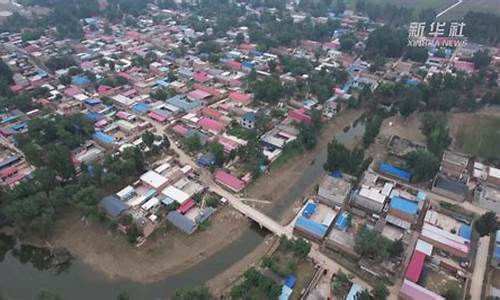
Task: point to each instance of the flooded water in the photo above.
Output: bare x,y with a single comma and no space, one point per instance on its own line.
22,279
357,130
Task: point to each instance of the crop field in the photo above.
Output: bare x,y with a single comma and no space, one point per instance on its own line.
480,136
439,5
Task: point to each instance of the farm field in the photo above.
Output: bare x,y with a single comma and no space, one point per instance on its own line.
478,135
438,5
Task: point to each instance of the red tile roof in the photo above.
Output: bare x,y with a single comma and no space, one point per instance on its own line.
181,130
157,117
233,64
211,125
198,95
300,115
415,267
186,206
229,180
212,91
240,97
211,113
201,76
8,172
413,291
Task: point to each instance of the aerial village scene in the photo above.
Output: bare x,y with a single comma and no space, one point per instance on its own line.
261,149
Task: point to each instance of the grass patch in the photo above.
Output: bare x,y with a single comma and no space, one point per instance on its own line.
290,151
480,137
243,133
439,5
305,272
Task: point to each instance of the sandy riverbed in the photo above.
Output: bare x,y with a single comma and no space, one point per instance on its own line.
159,258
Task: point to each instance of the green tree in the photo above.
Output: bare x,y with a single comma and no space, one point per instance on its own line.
481,59
218,151
435,128
341,284
301,248
192,143
240,38
369,243
148,138
486,224
133,233
380,292
372,128
347,42
340,158
396,248
423,163
451,294
418,54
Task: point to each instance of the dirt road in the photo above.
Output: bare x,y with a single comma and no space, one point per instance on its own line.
480,267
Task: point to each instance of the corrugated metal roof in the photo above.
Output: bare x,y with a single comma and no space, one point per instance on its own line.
312,227
404,205
414,291
395,171
415,267
183,223
445,237
113,205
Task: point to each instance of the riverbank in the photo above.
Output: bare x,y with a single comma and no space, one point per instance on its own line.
172,252
162,256
286,185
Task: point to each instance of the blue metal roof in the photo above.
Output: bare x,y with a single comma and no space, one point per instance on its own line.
140,107
93,101
249,116
113,205
20,126
104,138
9,161
497,253
180,221
404,205
183,103
290,281
9,119
395,171
342,222
93,116
311,227
309,210
465,231
206,160
336,174
80,80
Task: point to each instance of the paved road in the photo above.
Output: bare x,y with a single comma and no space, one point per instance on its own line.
480,267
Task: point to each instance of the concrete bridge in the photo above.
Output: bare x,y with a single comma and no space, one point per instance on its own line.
252,213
